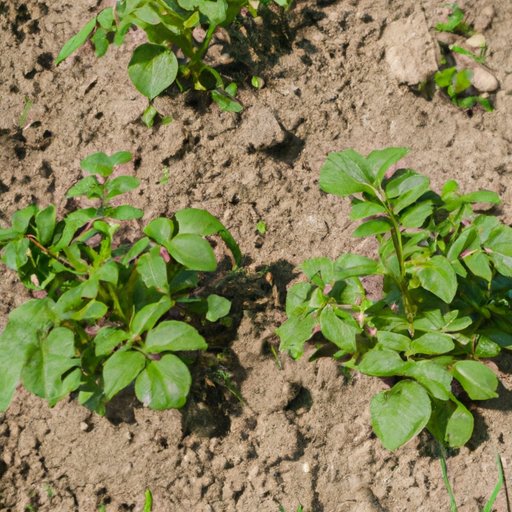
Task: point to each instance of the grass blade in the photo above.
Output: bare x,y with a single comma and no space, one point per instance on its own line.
444,471
497,489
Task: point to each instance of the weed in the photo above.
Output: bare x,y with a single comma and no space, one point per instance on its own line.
179,36
445,300
456,23
453,502
454,81
110,313
261,227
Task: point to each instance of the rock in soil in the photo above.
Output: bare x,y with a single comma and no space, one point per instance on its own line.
410,50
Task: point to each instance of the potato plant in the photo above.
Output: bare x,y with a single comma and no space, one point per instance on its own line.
179,34
109,312
444,305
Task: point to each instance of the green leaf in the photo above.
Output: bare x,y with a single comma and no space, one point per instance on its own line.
478,263
373,227
443,78
120,370
482,196
174,336
152,69
193,251
438,277
76,41
47,362
164,384
100,42
149,116
345,173
107,339
382,159
296,296
409,190
21,219
381,363
88,187
432,376
462,80
108,272
121,157
225,101
15,253
362,209
195,221
93,310
160,230
215,11
319,270
342,334
120,185
148,316
499,247
153,270
295,332
479,382
45,224
97,163
354,265
218,307
106,18
432,343
393,341
451,423
400,413
415,216
124,212
135,250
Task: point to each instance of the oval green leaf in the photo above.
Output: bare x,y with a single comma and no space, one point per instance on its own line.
152,69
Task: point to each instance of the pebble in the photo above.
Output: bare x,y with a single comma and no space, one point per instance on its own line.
484,80
476,41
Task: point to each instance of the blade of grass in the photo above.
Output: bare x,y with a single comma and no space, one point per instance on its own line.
444,471
497,489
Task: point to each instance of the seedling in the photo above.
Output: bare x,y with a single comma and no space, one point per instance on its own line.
179,35
444,305
454,82
456,23
261,227
112,313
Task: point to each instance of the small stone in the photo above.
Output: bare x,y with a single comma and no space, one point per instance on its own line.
85,427
305,467
476,41
484,80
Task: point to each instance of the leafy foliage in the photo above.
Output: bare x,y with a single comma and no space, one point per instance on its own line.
179,35
104,319
453,81
447,279
455,23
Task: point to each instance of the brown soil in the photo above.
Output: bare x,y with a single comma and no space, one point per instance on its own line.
303,433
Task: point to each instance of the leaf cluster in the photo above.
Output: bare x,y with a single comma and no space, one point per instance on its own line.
110,313
455,24
445,304
179,34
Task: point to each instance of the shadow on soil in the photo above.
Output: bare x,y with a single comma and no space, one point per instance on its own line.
217,374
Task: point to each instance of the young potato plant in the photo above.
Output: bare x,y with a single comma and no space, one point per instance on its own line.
179,34
110,313
446,273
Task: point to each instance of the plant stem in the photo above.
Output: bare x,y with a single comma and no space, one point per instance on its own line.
46,251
